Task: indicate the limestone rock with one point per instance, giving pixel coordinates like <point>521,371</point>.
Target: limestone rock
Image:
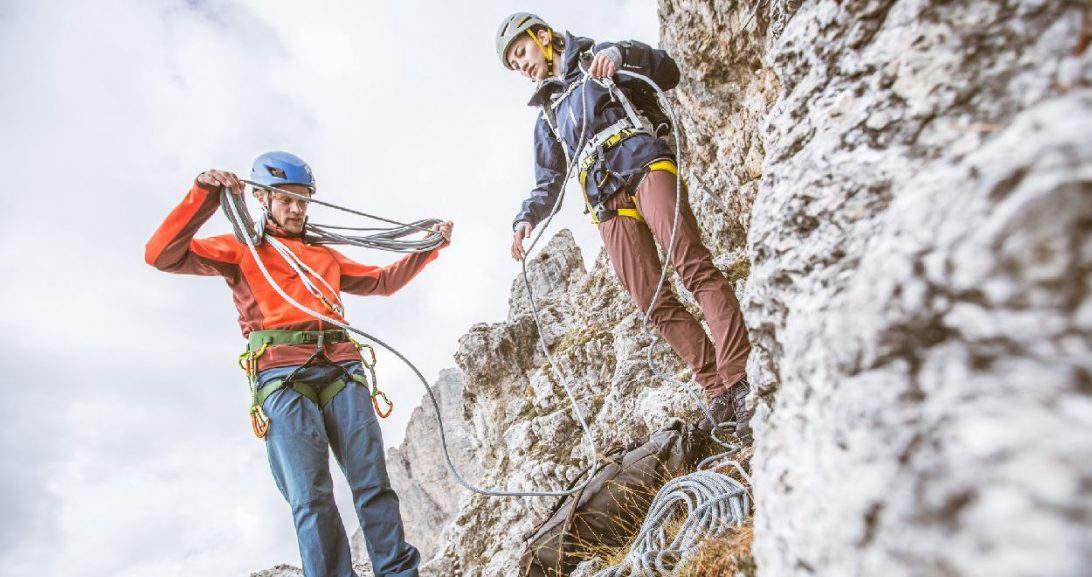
<point>919,293</point>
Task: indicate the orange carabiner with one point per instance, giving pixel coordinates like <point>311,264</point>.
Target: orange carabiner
<point>259,422</point>
<point>375,403</point>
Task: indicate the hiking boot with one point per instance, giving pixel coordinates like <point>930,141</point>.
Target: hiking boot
<point>722,409</point>
<point>738,394</point>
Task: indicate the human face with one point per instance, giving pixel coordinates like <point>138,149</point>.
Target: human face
<point>524,55</point>
<point>289,212</point>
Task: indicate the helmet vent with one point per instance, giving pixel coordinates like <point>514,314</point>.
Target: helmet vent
<point>277,172</point>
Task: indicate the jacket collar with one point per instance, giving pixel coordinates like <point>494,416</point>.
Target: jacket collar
<point>274,229</point>
<point>575,47</point>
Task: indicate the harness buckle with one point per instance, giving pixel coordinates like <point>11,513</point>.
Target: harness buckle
<point>602,214</point>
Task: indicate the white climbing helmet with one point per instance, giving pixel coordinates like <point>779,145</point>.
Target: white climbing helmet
<point>512,27</point>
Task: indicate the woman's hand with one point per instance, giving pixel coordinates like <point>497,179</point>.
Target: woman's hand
<point>603,65</point>
<point>523,230</point>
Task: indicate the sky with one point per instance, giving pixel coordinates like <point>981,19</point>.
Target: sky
<point>126,448</point>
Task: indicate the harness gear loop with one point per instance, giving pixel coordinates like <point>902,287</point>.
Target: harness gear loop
<point>375,392</point>
<point>248,361</point>
<point>547,50</point>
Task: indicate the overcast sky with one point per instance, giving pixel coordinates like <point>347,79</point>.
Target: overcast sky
<point>126,446</point>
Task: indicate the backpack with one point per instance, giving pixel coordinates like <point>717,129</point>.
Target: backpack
<point>606,514</point>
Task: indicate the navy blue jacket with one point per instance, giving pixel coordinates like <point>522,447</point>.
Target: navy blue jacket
<point>628,158</point>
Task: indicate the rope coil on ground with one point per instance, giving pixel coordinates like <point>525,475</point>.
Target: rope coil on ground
<point>713,503</point>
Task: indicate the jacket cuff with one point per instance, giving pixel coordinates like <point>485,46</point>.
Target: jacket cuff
<point>614,53</point>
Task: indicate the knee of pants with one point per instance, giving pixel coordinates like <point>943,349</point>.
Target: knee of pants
<point>667,306</point>
<point>696,275</point>
<point>312,501</point>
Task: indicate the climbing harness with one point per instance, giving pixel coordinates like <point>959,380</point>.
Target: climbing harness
<point>590,155</point>
<point>259,343</point>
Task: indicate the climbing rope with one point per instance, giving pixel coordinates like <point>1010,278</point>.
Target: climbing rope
<point>712,503</point>
<point>382,238</point>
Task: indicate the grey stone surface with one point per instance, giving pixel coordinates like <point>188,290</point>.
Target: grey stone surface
<point>429,496</point>
<point>519,416</point>
<point>919,293</point>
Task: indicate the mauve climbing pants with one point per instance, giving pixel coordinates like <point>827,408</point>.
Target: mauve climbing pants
<point>631,246</point>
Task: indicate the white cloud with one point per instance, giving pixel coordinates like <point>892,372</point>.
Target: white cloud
<point>126,444</point>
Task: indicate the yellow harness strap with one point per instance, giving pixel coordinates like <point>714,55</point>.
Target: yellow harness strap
<point>664,165</point>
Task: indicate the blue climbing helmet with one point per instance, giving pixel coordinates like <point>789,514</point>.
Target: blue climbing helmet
<point>277,168</point>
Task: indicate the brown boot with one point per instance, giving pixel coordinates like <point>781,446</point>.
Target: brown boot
<point>720,407</point>
<point>738,393</point>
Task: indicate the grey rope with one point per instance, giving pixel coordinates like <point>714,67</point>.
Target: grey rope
<point>384,238</point>
<point>713,503</point>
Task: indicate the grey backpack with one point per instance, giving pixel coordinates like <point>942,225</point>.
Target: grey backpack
<point>605,515</point>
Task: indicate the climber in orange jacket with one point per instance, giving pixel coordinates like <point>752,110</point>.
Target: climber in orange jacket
<point>309,406</point>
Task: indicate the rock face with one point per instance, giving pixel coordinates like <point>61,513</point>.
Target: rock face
<point>512,426</point>
<point>919,297</point>
<point>429,495</point>
<point>518,417</point>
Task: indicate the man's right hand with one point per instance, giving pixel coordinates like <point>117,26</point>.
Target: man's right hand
<point>523,230</point>
<point>214,179</point>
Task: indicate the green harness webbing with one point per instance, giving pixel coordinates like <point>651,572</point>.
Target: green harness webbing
<point>319,395</point>
<point>260,341</point>
<point>275,338</point>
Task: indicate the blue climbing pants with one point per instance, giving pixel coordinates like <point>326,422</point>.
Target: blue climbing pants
<point>299,434</point>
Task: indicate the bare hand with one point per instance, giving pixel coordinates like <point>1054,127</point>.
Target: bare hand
<point>213,179</point>
<point>445,229</point>
<point>601,66</point>
<point>523,230</point>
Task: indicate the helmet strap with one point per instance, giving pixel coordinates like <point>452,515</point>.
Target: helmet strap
<point>547,50</point>
<point>267,208</point>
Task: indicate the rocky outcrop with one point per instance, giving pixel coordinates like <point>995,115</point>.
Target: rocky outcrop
<point>429,495</point>
<point>520,418</point>
<point>910,184</point>
<point>919,297</point>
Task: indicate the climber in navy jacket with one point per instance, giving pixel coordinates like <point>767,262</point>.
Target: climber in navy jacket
<point>593,124</point>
